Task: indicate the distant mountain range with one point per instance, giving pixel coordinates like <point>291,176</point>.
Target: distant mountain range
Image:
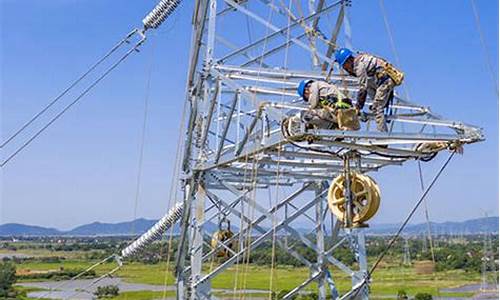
<point>93,229</point>
<point>474,226</point>
<point>139,226</point>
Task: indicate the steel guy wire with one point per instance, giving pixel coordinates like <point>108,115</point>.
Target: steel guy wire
<point>412,212</point>
<point>168,221</point>
<point>92,283</point>
<point>75,277</point>
<point>405,222</point>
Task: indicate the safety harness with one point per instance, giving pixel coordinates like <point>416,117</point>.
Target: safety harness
<point>383,72</point>
<point>338,101</point>
<point>341,107</point>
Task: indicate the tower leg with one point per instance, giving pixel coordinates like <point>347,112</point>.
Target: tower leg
<point>181,278</point>
<point>320,243</point>
<point>360,251</point>
<point>201,291</point>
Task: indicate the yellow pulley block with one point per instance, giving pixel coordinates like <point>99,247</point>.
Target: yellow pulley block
<point>221,236</point>
<point>365,195</point>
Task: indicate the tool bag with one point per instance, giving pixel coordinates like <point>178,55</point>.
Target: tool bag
<point>396,75</point>
<point>341,108</point>
<point>348,119</point>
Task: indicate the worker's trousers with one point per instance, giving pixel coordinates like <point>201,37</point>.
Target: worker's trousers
<point>320,118</point>
<point>380,100</point>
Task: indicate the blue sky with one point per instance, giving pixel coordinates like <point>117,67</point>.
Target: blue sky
<point>84,168</point>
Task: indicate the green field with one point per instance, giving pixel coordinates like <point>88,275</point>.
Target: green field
<point>458,263</point>
<point>386,281</point>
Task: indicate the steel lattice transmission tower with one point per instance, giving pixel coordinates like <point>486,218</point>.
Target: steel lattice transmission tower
<point>406,253</point>
<point>240,88</point>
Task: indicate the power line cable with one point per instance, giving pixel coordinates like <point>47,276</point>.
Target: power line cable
<point>64,92</point>
<point>56,117</point>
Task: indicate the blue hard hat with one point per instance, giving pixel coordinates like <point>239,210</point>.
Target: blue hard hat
<point>342,55</point>
<point>302,87</point>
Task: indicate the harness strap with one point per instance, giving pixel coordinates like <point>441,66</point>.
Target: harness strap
<point>336,103</point>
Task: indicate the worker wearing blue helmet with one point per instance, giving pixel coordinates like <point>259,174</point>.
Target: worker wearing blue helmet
<point>320,94</point>
<point>377,78</point>
<point>324,100</point>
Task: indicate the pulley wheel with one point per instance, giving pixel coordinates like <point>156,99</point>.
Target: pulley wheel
<point>222,236</point>
<point>365,195</point>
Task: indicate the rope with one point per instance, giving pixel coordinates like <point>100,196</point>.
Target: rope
<point>273,243</point>
<point>56,117</point>
<point>251,214</point>
<point>64,92</point>
<point>142,139</point>
<point>429,230</point>
<point>395,53</point>
<point>403,225</point>
<point>173,194</point>
<point>489,65</point>
<point>277,177</point>
<point>253,176</point>
<point>389,32</point>
<point>241,238</point>
<point>312,32</point>
<point>173,191</point>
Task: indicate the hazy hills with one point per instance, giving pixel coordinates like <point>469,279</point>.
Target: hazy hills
<point>474,226</point>
<point>138,226</point>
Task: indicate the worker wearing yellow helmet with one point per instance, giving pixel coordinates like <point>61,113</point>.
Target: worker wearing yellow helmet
<point>377,77</point>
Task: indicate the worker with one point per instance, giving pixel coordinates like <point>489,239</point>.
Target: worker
<point>377,77</point>
<point>323,99</point>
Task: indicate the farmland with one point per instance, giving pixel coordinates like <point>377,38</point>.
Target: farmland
<point>45,260</point>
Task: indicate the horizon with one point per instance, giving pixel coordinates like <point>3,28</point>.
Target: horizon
<point>154,220</point>
<point>84,168</point>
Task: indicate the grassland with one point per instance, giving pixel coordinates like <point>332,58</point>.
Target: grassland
<point>386,281</point>
<point>255,279</point>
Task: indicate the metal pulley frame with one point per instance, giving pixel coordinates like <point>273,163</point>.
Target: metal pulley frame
<point>220,237</point>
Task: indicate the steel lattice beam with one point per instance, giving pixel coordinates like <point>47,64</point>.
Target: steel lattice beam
<point>239,92</point>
